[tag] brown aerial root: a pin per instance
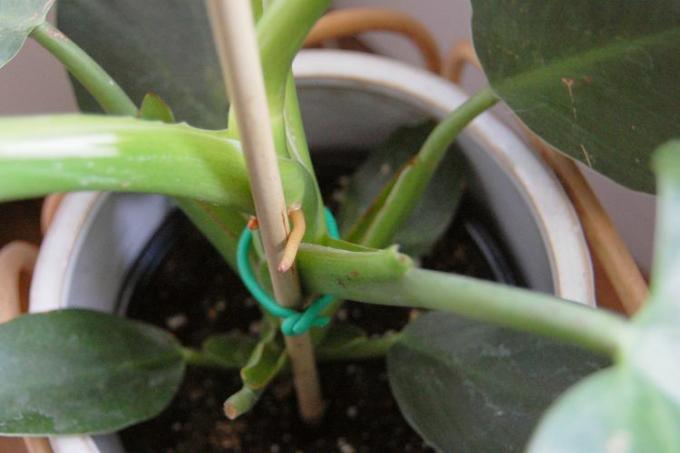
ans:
(348, 22)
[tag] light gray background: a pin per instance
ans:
(35, 83)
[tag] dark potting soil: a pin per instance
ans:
(193, 293)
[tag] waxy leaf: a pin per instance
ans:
(163, 46)
(469, 386)
(436, 208)
(598, 80)
(18, 18)
(80, 371)
(634, 406)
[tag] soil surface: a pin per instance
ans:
(192, 292)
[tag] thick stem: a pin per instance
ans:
(413, 179)
(337, 273)
(95, 80)
(298, 150)
(280, 34)
(242, 401)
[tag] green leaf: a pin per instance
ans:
(161, 46)
(598, 80)
(17, 19)
(154, 108)
(231, 349)
(432, 213)
(469, 386)
(266, 359)
(634, 406)
(612, 411)
(167, 47)
(79, 371)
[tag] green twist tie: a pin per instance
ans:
(294, 323)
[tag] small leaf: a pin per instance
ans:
(434, 211)
(154, 108)
(469, 386)
(18, 18)
(266, 359)
(79, 371)
(598, 80)
(231, 349)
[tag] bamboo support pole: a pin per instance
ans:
(236, 42)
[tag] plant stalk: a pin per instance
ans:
(96, 81)
(327, 271)
(234, 32)
(413, 179)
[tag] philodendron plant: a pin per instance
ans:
(595, 79)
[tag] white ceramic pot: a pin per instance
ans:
(349, 101)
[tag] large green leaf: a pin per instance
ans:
(469, 386)
(79, 371)
(160, 46)
(598, 80)
(17, 19)
(432, 214)
(634, 406)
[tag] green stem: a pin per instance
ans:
(298, 150)
(68, 153)
(379, 280)
(96, 81)
(412, 180)
(242, 401)
(280, 34)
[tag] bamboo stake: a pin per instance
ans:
(234, 33)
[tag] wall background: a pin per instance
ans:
(35, 83)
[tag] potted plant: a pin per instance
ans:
(538, 72)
